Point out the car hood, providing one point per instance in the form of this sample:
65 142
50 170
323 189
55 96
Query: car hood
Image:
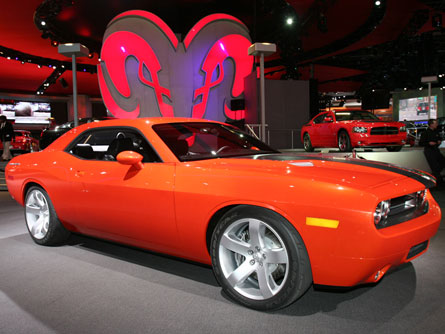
355 173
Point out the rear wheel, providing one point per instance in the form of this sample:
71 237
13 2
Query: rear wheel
307 144
260 259
344 143
41 218
393 148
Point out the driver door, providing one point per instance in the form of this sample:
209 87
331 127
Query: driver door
120 202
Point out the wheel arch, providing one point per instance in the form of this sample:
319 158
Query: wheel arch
28 185
217 215
342 129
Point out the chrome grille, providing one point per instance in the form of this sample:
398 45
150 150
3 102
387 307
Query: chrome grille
385 130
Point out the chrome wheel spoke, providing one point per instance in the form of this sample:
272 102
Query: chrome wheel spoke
37 214
235 245
32 209
256 232
276 256
266 283
240 274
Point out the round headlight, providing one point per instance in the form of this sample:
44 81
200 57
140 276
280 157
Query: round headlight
381 212
421 197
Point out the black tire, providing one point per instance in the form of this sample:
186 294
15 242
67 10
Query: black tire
307 144
393 148
269 280
344 142
38 206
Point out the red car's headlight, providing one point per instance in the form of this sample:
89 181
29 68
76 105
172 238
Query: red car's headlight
359 129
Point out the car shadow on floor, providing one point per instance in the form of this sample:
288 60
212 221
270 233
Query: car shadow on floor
374 302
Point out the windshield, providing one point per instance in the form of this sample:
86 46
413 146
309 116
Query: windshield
201 140
355 115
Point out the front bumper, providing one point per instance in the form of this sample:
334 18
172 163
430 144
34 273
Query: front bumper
365 255
367 140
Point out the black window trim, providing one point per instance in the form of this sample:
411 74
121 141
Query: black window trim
74 142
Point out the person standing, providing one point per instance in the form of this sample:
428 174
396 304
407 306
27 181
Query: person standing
6 135
430 140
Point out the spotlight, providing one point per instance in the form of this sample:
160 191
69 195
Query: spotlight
378 3
289 21
43 23
54 43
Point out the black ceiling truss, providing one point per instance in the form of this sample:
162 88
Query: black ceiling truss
58 66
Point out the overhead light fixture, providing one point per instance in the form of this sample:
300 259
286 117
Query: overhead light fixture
378 3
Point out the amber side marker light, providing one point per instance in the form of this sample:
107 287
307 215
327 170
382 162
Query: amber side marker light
321 222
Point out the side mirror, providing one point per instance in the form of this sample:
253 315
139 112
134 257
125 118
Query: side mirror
328 119
130 158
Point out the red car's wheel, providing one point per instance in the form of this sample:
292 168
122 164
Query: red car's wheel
307 144
344 143
260 259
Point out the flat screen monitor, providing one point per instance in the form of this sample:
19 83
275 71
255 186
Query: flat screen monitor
417 108
27 112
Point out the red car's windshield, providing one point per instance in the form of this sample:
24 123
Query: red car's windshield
197 141
355 115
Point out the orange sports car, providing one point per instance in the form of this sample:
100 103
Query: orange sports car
270 224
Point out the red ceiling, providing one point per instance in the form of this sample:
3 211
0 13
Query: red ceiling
18 32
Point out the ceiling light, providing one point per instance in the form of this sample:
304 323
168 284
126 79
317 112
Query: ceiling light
289 21
378 3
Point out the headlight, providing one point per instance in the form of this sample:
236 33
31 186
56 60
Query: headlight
421 197
359 129
402 129
381 212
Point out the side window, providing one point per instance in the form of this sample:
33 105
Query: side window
107 143
319 119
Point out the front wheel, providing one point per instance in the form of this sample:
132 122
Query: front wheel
41 219
393 148
259 258
344 143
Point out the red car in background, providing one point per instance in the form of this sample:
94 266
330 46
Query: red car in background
23 142
347 129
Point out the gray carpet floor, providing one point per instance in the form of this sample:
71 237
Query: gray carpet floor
91 286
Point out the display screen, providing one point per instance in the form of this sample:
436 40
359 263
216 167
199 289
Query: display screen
26 112
417 109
